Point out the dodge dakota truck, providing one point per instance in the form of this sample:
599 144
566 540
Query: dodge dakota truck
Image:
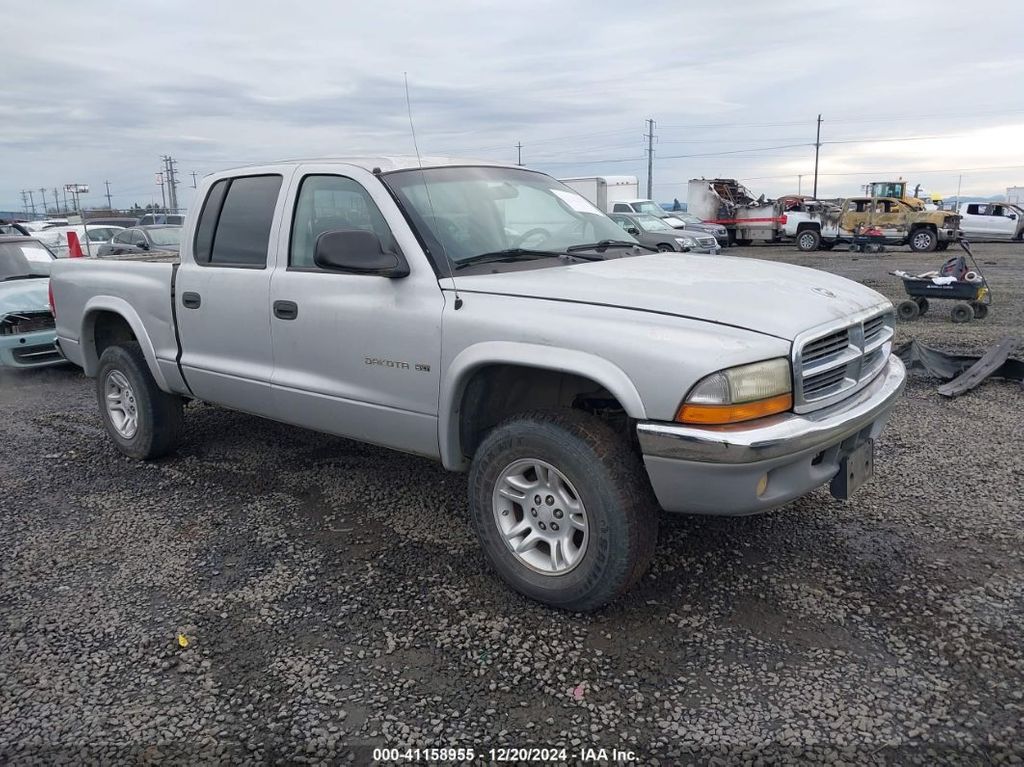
490 318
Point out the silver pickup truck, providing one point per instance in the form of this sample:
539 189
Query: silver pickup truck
490 318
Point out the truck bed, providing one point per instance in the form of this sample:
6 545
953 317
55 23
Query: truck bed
137 287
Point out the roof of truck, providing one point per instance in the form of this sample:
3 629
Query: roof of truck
385 163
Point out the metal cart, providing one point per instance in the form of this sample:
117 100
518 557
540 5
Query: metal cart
973 296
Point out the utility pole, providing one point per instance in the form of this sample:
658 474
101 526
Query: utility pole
65 199
24 202
650 158
172 184
193 179
109 205
42 199
32 202
56 201
163 198
817 150
519 149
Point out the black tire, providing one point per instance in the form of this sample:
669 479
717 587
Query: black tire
744 242
961 313
922 305
611 483
808 240
664 247
923 240
908 310
828 245
980 310
160 416
943 245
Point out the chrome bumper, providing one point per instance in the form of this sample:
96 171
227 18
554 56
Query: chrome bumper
777 436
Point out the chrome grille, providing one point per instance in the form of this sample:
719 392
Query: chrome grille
830 364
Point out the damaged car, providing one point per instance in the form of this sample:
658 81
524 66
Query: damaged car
27 333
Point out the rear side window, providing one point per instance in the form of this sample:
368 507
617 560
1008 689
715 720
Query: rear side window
234 226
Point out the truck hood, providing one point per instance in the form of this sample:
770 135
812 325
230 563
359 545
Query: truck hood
24 296
766 297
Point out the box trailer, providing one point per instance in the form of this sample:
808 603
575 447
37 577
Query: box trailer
603 191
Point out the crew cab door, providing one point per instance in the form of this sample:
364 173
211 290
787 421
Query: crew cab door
355 354
222 292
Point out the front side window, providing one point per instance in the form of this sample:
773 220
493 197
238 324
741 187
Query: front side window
330 203
234 226
169 236
464 212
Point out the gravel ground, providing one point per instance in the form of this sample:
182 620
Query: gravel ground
333 599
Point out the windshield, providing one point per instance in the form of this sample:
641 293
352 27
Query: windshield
653 224
23 259
649 208
463 212
687 218
169 236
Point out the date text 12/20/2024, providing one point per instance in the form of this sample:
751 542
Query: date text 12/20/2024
508 754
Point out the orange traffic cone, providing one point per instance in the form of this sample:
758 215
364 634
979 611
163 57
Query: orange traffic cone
74 246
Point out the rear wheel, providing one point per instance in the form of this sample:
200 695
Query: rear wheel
808 240
962 313
908 310
922 305
744 242
666 248
980 310
923 240
563 508
143 421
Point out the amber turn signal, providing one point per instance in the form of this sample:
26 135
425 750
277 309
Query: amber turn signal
709 415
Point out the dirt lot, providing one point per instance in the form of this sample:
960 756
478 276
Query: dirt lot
333 598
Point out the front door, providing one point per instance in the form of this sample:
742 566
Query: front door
355 355
222 294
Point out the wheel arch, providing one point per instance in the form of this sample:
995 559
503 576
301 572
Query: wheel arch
107 320
542 363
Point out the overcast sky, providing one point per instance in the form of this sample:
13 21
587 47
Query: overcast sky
93 95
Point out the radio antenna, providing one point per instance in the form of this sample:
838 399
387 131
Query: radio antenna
426 189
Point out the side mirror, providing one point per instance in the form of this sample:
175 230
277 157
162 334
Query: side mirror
143 245
1012 216
359 252
633 231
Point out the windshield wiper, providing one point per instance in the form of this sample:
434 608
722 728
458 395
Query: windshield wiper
519 254
605 244
22 277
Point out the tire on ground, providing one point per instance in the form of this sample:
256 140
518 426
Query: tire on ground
808 240
923 240
922 305
160 416
612 485
908 310
980 310
961 313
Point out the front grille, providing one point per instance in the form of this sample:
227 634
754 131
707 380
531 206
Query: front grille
833 364
26 322
707 242
38 354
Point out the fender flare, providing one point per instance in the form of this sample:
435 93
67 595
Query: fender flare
471 359
122 308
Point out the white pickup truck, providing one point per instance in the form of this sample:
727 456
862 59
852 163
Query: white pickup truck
991 221
490 318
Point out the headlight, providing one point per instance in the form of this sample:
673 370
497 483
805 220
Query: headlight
687 240
739 394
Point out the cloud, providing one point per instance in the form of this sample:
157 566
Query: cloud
92 99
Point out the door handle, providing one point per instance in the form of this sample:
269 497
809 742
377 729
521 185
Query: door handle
286 310
191 300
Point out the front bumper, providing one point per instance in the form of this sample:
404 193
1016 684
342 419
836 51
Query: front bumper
30 350
717 470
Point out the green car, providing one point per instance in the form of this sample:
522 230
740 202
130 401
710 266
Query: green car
27 334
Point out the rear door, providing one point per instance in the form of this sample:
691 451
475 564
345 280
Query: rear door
222 293
356 355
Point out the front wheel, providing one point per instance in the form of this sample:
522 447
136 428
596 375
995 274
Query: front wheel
923 241
562 508
908 310
143 421
961 313
808 240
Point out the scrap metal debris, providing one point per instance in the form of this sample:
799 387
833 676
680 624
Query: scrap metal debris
963 372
